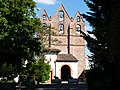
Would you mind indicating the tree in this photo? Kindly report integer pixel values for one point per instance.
(41, 66)
(18, 23)
(36, 71)
(46, 35)
(104, 67)
(6, 71)
(114, 42)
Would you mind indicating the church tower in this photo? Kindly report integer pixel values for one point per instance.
(67, 32)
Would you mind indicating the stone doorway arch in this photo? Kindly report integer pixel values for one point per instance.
(65, 72)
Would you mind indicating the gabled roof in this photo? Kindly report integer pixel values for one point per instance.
(44, 13)
(78, 14)
(66, 58)
(62, 6)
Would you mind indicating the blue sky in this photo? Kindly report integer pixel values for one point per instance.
(71, 6)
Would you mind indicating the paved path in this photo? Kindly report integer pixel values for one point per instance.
(56, 87)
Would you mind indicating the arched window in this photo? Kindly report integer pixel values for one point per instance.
(78, 28)
(61, 28)
(44, 25)
(61, 16)
(78, 18)
(44, 17)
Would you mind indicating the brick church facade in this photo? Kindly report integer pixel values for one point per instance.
(68, 52)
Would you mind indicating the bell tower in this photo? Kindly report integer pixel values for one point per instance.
(67, 32)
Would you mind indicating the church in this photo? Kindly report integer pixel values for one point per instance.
(66, 55)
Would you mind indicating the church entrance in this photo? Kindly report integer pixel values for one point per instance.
(65, 72)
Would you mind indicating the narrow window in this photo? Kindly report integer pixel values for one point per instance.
(78, 28)
(61, 28)
(44, 17)
(44, 26)
(78, 18)
(61, 16)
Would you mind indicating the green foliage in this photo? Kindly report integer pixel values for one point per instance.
(36, 71)
(104, 71)
(43, 71)
(18, 24)
(98, 19)
(7, 72)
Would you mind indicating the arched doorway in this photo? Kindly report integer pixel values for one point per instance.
(65, 72)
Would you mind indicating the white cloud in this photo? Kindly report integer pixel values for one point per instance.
(49, 2)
